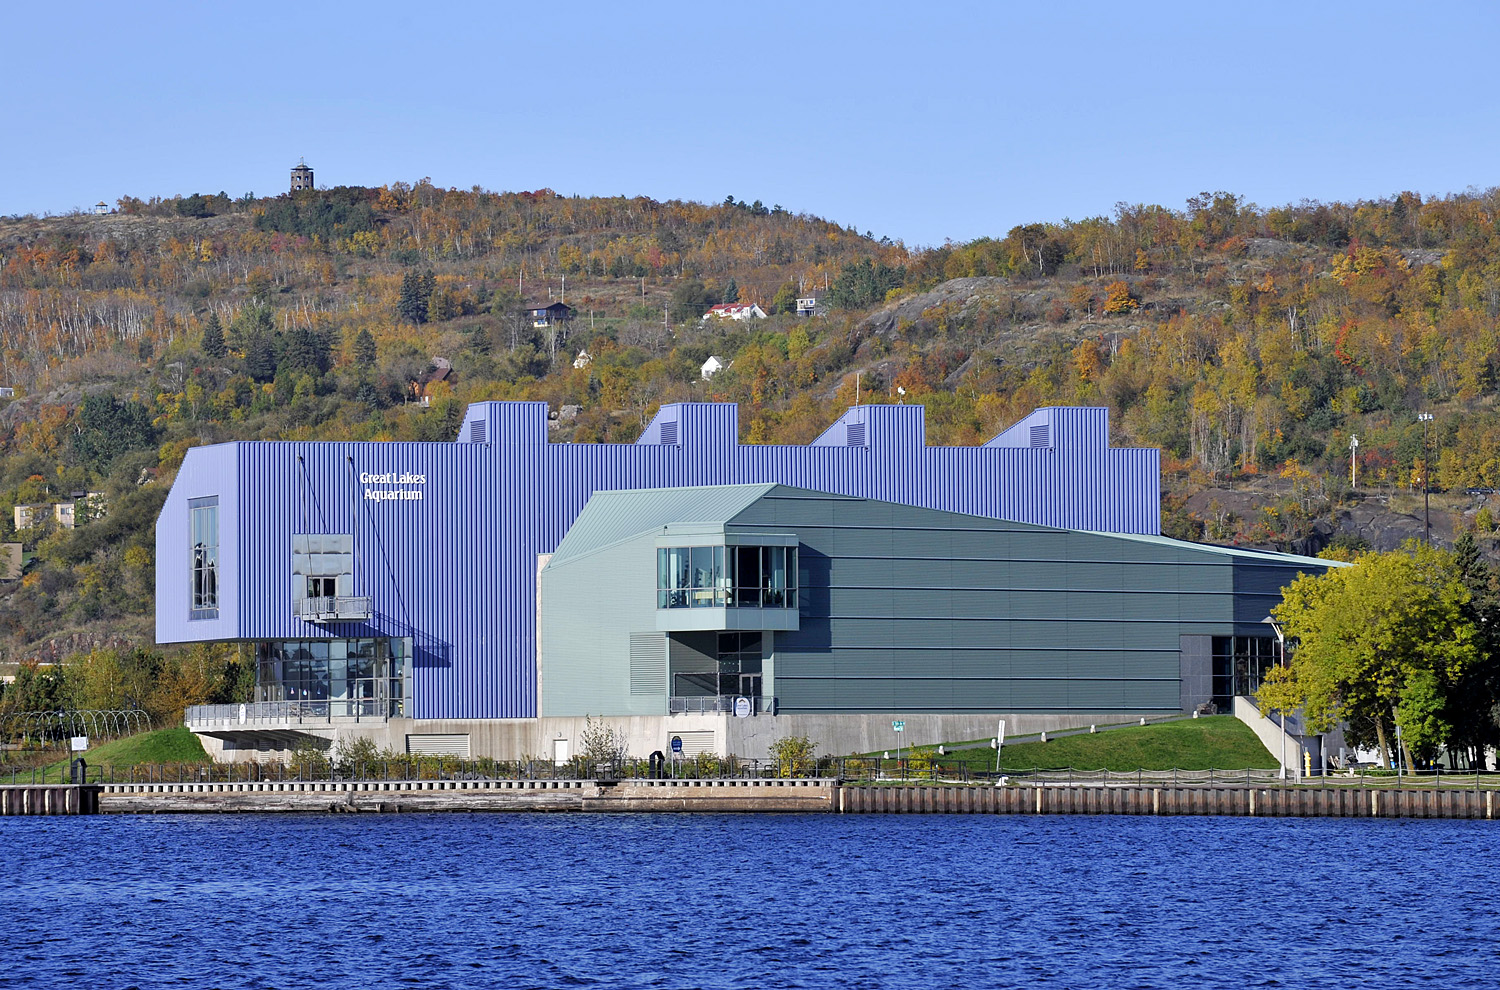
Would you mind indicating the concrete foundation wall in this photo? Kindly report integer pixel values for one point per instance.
(747, 738)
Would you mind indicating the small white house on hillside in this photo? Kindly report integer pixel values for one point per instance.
(711, 367)
(736, 311)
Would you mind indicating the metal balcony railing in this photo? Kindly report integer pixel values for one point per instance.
(280, 714)
(340, 609)
(719, 705)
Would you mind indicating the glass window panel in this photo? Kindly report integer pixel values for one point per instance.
(721, 593)
(663, 570)
(696, 685)
(747, 576)
(702, 594)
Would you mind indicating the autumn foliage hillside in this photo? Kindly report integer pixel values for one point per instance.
(1250, 344)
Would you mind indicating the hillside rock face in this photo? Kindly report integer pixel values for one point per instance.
(1369, 520)
(961, 290)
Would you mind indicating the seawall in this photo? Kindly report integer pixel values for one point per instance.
(816, 796)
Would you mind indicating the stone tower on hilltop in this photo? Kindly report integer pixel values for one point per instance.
(302, 176)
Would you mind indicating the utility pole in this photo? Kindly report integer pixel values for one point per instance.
(1353, 446)
(1426, 470)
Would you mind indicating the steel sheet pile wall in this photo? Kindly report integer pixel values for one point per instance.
(456, 568)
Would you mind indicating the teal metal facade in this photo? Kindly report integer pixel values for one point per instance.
(905, 609)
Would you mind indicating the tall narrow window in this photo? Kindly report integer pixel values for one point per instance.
(203, 516)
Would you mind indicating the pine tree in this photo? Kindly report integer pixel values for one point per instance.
(416, 290)
(364, 350)
(260, 358)
(367, 394)
(213, 337)
(732, 292)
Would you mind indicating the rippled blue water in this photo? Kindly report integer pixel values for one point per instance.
(745, 901)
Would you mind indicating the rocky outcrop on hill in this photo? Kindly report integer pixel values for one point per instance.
(1232, 517)
(964, 291)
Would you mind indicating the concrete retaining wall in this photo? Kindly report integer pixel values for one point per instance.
(748, 738)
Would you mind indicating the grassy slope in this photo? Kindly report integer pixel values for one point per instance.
(176, 745)
(1219, 742)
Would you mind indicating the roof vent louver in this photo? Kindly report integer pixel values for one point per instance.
(669, 434)
(476, 431)
(856, 435)
(1041, 436)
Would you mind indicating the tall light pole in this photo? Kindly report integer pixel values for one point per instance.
(1426, 470)
(1281, 648)
(1353, 446)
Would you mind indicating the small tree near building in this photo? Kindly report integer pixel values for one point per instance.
(795, 756)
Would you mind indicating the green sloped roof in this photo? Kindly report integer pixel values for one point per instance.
(610, 517)
(613, 516)
(1261, 556)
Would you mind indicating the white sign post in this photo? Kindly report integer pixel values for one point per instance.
(999, 742)
(80, 744)
(898, 727)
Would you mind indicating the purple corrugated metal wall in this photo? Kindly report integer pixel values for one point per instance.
(456, 570)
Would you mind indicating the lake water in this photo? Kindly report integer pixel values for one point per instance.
(583, 900)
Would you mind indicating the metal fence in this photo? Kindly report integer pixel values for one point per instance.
(845, 769)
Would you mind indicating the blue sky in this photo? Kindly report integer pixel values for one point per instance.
(921, 121)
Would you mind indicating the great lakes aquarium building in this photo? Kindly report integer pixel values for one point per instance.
(483, 596)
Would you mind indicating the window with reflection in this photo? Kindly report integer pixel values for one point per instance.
(350, 677)
(1240, 664)
(203, 518)
(732, 577)
(734, 669)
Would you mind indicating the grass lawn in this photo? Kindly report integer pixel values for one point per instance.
(1216, 742)
(175, 745)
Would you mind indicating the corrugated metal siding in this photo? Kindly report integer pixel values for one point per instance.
(925, 611)
(648, 664)
(456, 570)
(595, 609)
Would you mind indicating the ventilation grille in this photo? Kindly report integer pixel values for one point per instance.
(438, 744)
(1041, 436)
(648, 664)
(669, 434)
(856, 435)
(697, 743)
(476, 431)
